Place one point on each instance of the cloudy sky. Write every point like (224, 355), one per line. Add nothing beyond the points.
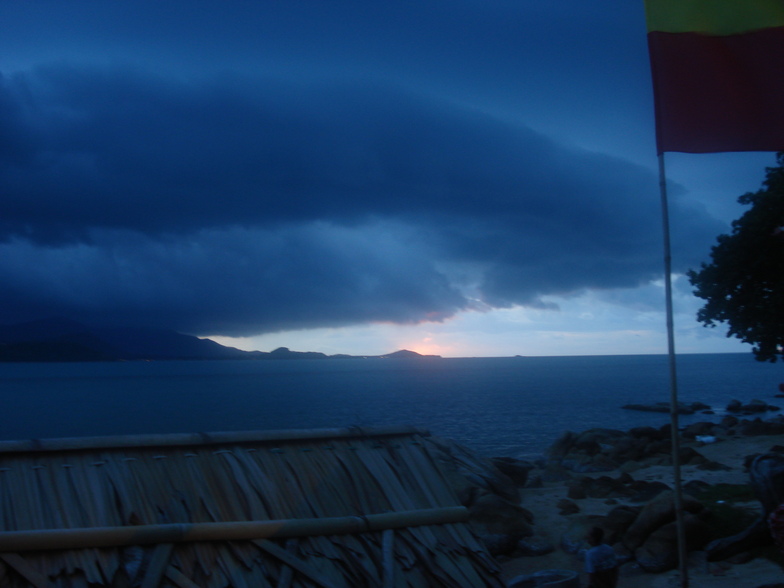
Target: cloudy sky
(456, 177)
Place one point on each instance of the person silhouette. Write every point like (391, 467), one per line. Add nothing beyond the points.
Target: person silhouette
(600, 561)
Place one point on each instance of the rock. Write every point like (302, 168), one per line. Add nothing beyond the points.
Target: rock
(534, 546)
(657, 513)
(695, 487)
(535, 482)
(683, 408)
(603, 450)
(606, 487)
(713, 466)
(498, 544)
(760, 427)
(516, 469)
(645, 433)
(646, 491)
(719, 568)
(661, 447)
(659, 553)
(690, 456)
(756, 406)
(729, 421)
(561, 446)
(577, 489)
(599, 463)
(699, 429)
(500, 515)
(741, 558)
(554, 472)
(618, 521)
(600, 450)
(567, 507)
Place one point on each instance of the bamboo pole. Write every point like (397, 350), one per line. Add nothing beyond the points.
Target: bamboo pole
(674, 433)
(34, 540)
(202, 439)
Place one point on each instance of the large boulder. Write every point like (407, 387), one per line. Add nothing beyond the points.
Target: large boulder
(755, 406)
(650, 433)
(617, 521)
(659, 553)
(534, 546)
(665, 407)
(644, 491)
(657, 513)
(603, 450)
(774, 426)
(500, 523)
(567, 507)
(702, 428)
(601, 487)
(516, 469)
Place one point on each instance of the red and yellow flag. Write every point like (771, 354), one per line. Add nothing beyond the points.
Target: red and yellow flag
(718, 74)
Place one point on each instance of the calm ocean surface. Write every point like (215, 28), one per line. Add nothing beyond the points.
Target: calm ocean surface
(498, 406)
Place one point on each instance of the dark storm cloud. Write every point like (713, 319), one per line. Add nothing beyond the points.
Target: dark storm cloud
(235, 282)
(239, 206)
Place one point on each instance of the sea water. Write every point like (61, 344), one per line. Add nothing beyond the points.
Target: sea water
(514, 406)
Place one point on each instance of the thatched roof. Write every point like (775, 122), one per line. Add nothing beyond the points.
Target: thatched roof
(338, 507)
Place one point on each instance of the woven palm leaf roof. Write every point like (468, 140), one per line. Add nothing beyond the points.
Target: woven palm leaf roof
(337, 507)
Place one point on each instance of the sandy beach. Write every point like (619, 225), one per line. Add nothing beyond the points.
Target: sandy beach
(550, 524)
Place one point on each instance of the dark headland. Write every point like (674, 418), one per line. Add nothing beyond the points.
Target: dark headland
(66, 340)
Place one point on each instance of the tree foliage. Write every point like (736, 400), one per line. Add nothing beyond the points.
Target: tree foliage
(744, 283)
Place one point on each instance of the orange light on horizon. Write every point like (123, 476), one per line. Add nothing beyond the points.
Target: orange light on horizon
(427, 346)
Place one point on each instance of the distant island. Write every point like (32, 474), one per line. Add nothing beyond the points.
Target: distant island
(53, 340)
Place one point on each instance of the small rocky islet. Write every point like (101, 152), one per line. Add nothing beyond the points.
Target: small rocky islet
(736, 407)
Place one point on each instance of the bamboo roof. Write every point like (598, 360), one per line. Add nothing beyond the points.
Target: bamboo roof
(310, 508)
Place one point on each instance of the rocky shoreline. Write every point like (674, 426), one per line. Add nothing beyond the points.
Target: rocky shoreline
(533, 516)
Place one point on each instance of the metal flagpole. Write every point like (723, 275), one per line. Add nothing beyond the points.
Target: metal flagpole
(674, 433)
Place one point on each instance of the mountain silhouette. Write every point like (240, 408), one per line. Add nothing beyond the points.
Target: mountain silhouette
(60, 339)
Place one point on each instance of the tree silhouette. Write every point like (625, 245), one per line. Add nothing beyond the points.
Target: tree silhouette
(744, 283)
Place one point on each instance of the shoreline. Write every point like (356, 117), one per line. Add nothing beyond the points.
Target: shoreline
(550, 524)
